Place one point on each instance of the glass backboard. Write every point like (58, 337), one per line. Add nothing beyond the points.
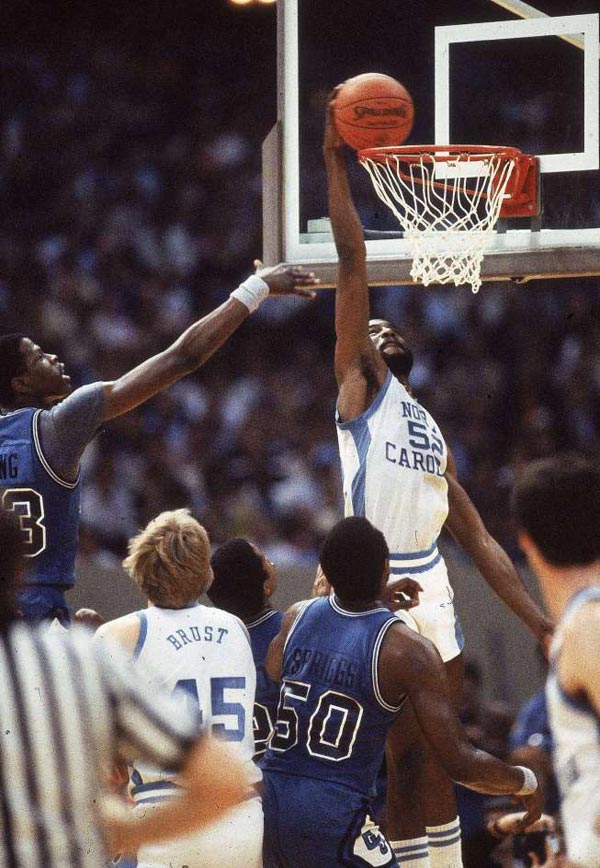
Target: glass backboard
(479, 74)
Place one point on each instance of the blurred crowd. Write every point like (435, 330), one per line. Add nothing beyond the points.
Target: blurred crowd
(132, 205)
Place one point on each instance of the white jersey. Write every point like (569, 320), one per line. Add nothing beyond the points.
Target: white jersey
(575, 729)
(204, 655)
(393, 463)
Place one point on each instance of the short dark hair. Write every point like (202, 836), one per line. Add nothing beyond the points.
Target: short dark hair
(353, 558)
(556, 501)
(239, 577)
(12, 363)
(11, 565)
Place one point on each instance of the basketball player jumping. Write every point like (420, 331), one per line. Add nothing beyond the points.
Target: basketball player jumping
(557, 507)
(346, 666)
(399, 473)
(203, 653)
(43, 433)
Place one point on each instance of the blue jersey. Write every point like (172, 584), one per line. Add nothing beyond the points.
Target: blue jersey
(47, 506)
(262, 632)
(332, 720)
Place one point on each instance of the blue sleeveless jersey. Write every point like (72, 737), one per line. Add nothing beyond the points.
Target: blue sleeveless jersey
(47, 506)
(332, 720)
(262, 632)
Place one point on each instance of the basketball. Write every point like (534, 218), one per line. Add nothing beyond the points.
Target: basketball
(373, 110)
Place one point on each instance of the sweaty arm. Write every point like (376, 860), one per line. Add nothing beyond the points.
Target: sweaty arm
(467, 528)
(411, 665)
(202, 339)
(359, 369)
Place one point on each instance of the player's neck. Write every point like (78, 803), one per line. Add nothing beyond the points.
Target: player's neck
(29, 401)
(358, 605)
(267, 608)
(559, 584)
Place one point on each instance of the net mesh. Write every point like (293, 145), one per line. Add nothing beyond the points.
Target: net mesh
(447, 206)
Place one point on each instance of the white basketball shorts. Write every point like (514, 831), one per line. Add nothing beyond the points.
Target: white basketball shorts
(435, 617)
(235, 839)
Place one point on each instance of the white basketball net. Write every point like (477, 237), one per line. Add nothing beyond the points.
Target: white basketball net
(448, 210)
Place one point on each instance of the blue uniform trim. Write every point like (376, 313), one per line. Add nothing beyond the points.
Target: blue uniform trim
(335, 605)
(366, 415)
(362, 441)
(452, 831)
(141, 635)
(423, 568)
(413, 556)
(262, 619)
(43, 461)
(411, 849)
(153, 785)
(444, 843)
(374, 667)
(460, 641)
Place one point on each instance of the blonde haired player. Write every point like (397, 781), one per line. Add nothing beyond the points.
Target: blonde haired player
(398, 472)
(203, 654)
(557, 507)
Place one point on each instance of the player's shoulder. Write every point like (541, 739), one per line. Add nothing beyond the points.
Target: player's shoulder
(581, 629)
(404, 646)
(124, 630)
(223, 619)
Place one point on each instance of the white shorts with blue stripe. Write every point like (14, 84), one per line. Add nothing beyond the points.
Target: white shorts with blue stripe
(434, 617)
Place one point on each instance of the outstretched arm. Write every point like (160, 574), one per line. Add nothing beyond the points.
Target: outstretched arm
(198, 343)
(359, 370)
(467, 528)
(411, 664)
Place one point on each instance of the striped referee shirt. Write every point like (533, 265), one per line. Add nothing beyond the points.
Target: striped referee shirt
(69, 708)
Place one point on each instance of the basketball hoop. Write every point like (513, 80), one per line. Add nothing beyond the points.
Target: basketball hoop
(448, 198)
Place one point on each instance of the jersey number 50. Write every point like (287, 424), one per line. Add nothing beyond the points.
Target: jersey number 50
(332, 727)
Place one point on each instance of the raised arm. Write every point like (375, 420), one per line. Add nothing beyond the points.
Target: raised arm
(467, 528)
(411, 664)
(359, 370)
(274, 659)
(198, 343)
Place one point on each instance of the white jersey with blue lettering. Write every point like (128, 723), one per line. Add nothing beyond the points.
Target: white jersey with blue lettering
(394, 461)
(575, 726)
(393, 464)
(204, 655)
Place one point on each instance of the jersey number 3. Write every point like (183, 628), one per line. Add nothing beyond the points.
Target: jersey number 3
(29, 506)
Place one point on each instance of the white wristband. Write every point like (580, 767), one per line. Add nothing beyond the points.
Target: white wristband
(530, 783)
(251, 292)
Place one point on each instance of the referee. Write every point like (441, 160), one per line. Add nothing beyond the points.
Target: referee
(68, 711)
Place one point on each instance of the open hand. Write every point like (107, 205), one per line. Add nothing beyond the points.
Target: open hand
(512, 824)
(287, 279)
(321, 587)
(402, 594)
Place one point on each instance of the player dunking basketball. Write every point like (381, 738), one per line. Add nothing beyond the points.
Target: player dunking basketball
(399, 473)
(43, 433)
